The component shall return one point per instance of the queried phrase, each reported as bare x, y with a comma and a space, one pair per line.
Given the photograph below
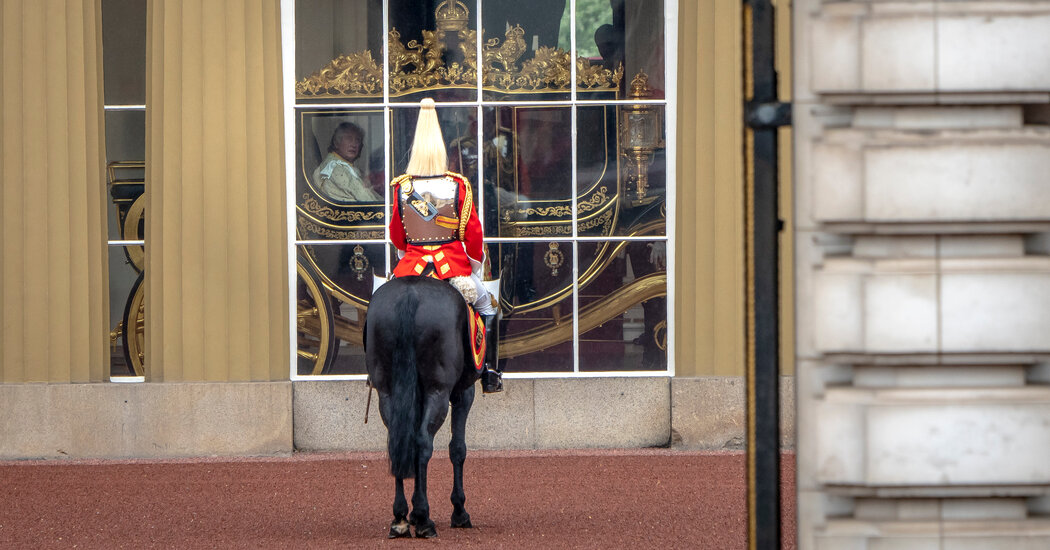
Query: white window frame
115, 243
670, 117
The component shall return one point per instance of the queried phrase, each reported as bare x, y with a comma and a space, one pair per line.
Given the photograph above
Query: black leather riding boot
491, 375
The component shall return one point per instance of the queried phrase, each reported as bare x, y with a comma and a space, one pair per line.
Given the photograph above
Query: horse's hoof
426, 531
462, 522
399, 529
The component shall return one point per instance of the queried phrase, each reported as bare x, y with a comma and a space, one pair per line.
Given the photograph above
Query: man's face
349, 146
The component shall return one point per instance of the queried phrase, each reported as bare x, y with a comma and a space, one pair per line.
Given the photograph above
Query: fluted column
709, 292
216, 254
53, 281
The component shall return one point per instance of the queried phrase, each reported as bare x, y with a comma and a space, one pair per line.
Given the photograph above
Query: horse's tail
403, 427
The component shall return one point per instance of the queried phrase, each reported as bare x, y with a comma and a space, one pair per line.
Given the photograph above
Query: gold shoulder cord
468, 202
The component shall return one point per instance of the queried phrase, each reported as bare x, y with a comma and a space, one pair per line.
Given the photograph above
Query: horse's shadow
418, 360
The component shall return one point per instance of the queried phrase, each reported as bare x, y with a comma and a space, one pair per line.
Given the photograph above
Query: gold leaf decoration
311, 206
354, 74
419, 66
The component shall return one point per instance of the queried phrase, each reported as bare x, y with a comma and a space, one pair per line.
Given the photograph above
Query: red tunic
451, 259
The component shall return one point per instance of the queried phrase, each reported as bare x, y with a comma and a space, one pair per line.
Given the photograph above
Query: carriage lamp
640, 126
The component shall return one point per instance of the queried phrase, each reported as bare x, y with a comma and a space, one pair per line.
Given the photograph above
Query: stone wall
923, 276
160, 420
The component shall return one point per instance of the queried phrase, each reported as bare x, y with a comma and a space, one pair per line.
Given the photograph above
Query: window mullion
288, 32
480, 117
388, 162
574, 193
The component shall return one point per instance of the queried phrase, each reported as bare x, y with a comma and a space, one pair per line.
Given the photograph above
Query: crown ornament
452, 16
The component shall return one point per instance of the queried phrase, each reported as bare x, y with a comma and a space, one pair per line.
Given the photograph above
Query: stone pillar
923, 275
54, 288
216, 254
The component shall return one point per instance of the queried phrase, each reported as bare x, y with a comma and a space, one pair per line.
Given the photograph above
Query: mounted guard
436, 229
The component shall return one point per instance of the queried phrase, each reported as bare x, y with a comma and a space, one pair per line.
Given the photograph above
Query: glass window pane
125, 312
341, 176
536, 296
458, 126
623, 306
598, 196
338, 51
524, 57
623, 33
125, 174
529, 165
333, 287
621, 173
124, 52
433, 50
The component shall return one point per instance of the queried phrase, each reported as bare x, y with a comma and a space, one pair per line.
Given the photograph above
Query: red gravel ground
531, 499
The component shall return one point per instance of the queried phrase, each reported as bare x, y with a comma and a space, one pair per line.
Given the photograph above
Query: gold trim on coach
592, 315
359, 74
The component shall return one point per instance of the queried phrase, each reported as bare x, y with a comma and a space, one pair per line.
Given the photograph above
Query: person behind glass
336, 177
436, 230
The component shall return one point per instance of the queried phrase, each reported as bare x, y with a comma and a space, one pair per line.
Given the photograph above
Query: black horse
419, 361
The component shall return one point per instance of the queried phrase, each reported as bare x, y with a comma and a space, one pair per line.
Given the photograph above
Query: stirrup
491, 381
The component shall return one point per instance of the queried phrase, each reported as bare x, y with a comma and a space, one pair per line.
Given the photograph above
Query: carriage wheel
132, 231
316, 343
134, 329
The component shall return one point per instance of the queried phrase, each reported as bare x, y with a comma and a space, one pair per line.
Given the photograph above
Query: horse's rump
414, 344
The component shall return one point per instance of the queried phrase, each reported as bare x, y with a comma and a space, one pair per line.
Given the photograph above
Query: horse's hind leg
399, 527
435, 406
457, 452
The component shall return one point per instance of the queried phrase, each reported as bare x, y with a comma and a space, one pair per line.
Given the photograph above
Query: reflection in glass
125, 174
523, 55
536, 298
457, 124
623, 32
599, 196
341, 178
623, 307
339, 50
125, 314
528, 171
433, 47
333, 287
633, 163
124, 52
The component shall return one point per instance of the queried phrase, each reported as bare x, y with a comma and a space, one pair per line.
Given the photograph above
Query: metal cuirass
428, 210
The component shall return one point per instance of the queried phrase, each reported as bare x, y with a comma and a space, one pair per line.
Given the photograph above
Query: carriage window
556, 117
124, 84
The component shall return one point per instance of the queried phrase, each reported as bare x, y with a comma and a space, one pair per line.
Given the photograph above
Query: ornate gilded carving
605, 221
452, 15
346, 75
518, 230
312, 228
562, 229
593, 76
595, 201
359, 262
508, 53
554, 258
418, 66
312, 206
